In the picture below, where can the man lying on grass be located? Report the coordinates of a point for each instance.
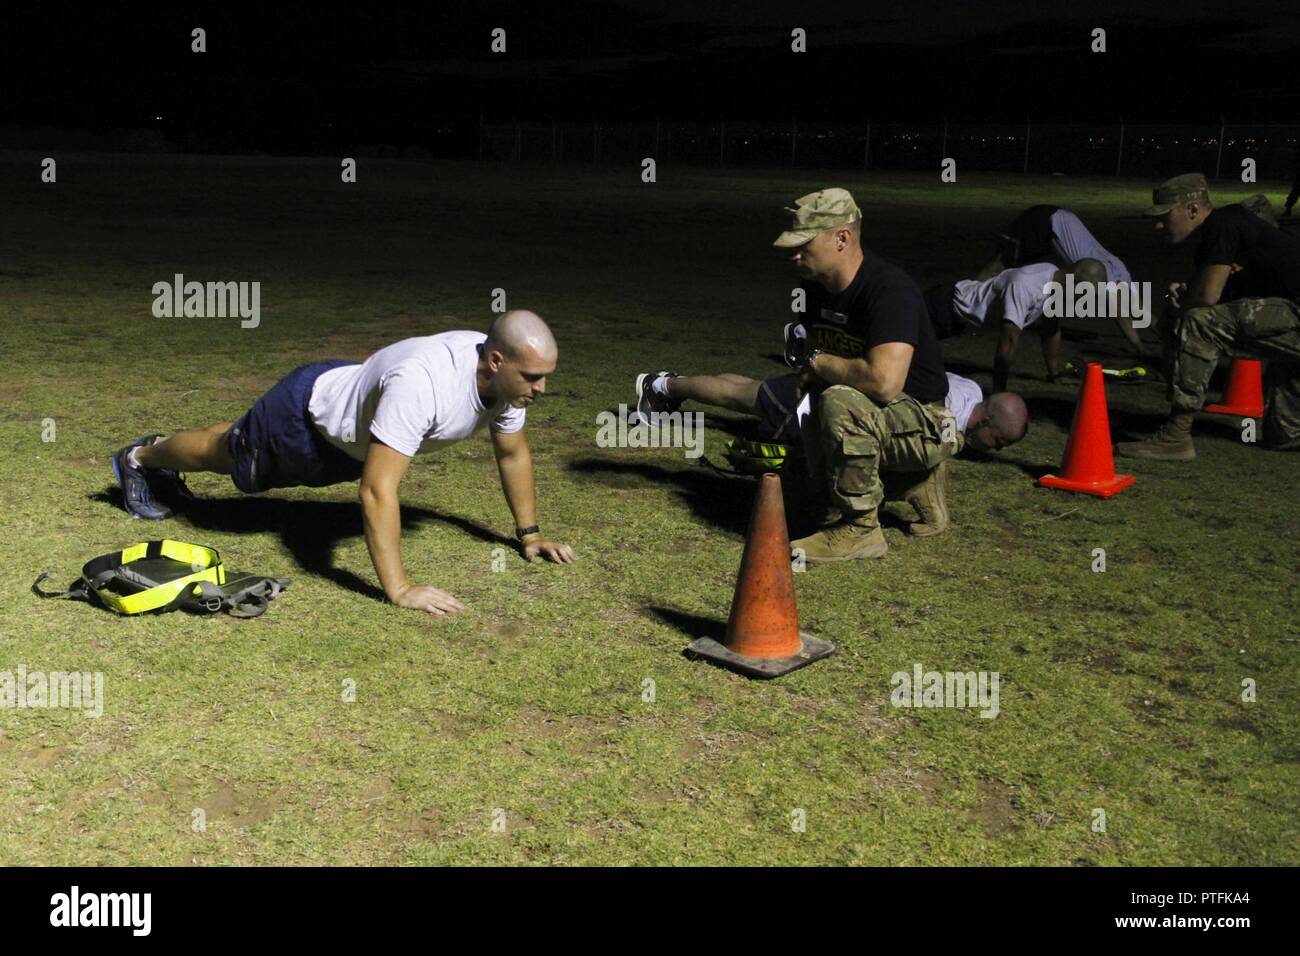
(338, 421)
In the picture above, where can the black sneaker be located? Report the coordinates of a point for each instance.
(137, 495)
(649, 402)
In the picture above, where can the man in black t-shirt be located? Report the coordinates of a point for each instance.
(882, 305)
(1255, 315)
(869, 359)
(872, 352)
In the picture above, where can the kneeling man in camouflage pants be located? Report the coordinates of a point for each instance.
(898, 450)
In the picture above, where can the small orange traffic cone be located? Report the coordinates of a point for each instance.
(1244, 395)
(1089, 465)
(763, 636)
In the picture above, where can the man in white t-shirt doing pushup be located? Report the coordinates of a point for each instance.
(340, 421)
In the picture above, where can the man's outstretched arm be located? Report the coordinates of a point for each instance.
(1125, 325)
(1049, 329)
(992, 269)
(382, 515)
(1008, 342)
(515, 463)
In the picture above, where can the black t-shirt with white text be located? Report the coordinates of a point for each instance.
(882, 304)
(1265, 259)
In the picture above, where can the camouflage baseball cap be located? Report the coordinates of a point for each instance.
(823, 209)
(1176, 191)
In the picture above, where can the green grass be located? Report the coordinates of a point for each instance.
(1119, 691)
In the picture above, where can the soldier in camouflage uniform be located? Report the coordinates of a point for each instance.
(871, 368)
(1241, 303)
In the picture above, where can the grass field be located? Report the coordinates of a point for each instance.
(1120, 691)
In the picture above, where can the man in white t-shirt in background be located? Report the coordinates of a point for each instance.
(340, 421)
(1051, 234)
(1009, 302)
(1056, 235)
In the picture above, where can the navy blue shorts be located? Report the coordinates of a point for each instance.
(777, 400)
(276, 445)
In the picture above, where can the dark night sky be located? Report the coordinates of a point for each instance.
(276, 73)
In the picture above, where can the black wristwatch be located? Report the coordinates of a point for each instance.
(808, 359)
(522, 533)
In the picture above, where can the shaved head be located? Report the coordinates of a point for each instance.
(1088, 270)
(998, 421)
(516, 357)
(519, 332)
(1009, 414)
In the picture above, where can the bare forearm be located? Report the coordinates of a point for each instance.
(382, 516)
(990, 270)
(1008, 343)
(517, 483)
(1052, 353)
(1126, 327)
(1002, 368)
(856, 373)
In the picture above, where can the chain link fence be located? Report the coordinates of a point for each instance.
(1154, 150)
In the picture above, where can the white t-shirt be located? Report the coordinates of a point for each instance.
(963, 396)
(1013, 295)
(415, 395)
(1072, 242)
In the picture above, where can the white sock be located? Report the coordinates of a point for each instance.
(660, 386)
(132, 460)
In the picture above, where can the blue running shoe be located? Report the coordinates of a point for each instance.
(137, 496)
(167, 484)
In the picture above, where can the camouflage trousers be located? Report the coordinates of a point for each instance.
(861, 441)
(1244, 328)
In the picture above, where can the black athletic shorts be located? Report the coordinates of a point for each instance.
(777, 400)
(944, 318)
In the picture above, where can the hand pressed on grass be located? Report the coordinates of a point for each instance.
(421, 597)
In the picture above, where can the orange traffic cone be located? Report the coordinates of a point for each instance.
(763, 636)
(1089, 461)
(1244, 395)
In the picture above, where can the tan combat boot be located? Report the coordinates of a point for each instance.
(1173, 441)
(929, 497)
(857, 537)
